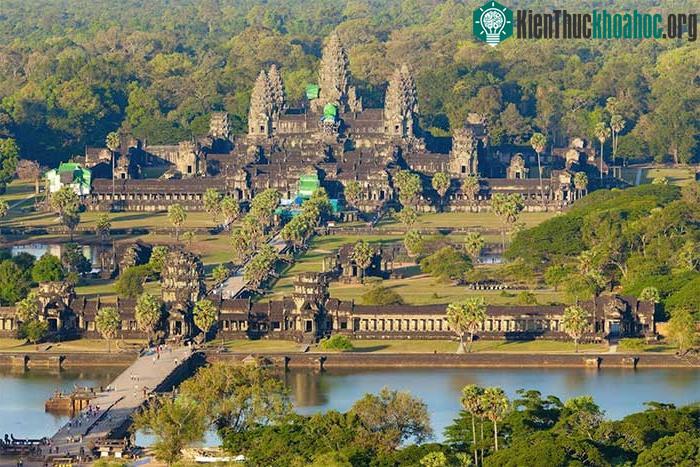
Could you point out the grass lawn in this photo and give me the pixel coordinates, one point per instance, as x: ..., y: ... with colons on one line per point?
x: 105, y: 289
x: 80, y: 345
x: 422, y: 289
x: 18, y: 189
x: 446, y: 346
x: 260, y: 345
x: 675, y: 175
x: 120, y: 220
x: 468, y: 220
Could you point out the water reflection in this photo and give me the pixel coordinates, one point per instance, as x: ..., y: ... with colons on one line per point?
x: 22, y: 397
x: 37, y: 250
x: 618, y: 391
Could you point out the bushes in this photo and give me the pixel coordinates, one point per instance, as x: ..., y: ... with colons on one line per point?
x: 377, y: 294
x: 634, y: 345
x: 447, y: 264
x: 130, y: 282
x: 336, y: 342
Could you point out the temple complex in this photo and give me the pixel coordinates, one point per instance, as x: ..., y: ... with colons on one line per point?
x: 311, y: 313
x: 332, y: 134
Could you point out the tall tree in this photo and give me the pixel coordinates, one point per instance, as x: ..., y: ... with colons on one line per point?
x: 4, y: 208
x: 174, y: 422
x: 103, y: 226
x: 230, y: 209
x: 392, y: 417
x: 66, y: 203
x: 238, y: 398
x: 508, y: 208
x: 27, y: 309
x: 413, y: 241
x: 13, y: 283
x: 472, y: 403
x: 580, y: 183
x: 474, y: 243
x: 108, y: 323
x: 113, y: 141
x: 617, y: 124
x: 148, y: 312
x: 682, y: 329
x: 9, y: 156
x: 538, y: 141
x: 602, y: 132
x: 465, y: 317
x: 205, y: 315
x: 363, y: 254
x: 177, y: 216
x: 496, y: 404
x: 352, y: 192
x: 575, y: 322
x: 409, y: 186
x: 441, y: 183
x: 212, y: 202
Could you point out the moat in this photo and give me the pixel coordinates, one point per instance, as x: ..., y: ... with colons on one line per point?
x: 618, y: 391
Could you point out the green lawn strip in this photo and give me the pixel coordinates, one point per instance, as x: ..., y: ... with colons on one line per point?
x: 79, y: 345
x: 675, y: 175
x: 466, y: 220
x: 423, y: 289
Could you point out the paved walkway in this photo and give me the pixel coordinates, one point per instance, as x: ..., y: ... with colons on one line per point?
x: 234, y: 285
x: 112, y: 408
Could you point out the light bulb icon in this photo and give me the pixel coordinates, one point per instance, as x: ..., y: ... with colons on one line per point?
x: 493, y: 21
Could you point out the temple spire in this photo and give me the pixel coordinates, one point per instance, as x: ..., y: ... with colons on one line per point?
x: 276, y: 89
x: 333, y: 74
x: 261, y: 107
x: 401, y: 103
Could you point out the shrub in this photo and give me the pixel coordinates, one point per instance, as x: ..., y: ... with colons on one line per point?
x: 336, y: 342
x: 380, y: 295
x: 447, y: 264
x: 636, y: 345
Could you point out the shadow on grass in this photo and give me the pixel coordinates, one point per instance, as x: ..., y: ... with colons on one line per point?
x: 372, y: 348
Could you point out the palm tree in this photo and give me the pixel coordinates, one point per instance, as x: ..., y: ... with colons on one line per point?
x: 617, y: 124
x: 177, y: 217
x: 113, y: 141
x: 474, y: 243
x: 108, y: 323
x: 472, y: 402
x: 441, y: 183
x: 363, y: 254
x: 205, y: 315
x: 496, y: 406
x: 575, y: 322
x: 465, y: 318
x: 602, y: 132
x: 581, y: 183
x: 471, y: 186
x: 538, y: 141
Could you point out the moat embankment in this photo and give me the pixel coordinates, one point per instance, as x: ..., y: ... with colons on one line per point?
x: 319, y: 360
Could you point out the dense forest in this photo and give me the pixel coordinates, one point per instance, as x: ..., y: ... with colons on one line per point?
x: 643, y: 241
x: 73, y: 70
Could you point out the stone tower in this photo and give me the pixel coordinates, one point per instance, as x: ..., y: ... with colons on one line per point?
x: 182, y: 278
x: 261, y: 106
x: 276, y: 89
x: 464, y: 159
x: 401, y: 104
x: 219, y: 126
x: 333, y: 75
x: 310, y: 291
